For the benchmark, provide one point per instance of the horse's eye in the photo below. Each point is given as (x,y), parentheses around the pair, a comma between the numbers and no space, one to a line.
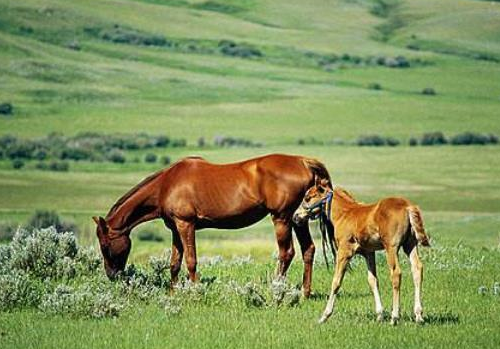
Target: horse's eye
(321,189)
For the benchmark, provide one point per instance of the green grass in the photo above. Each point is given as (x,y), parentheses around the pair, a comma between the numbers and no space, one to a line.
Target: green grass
(456,314)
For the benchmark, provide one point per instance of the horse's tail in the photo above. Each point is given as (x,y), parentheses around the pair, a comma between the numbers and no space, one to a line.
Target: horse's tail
(317,168)
(319,171)
(417,225)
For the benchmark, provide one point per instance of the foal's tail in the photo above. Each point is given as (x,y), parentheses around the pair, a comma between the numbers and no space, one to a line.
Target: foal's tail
(417,225)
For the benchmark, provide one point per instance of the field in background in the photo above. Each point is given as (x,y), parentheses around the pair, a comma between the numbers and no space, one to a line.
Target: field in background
(273,72)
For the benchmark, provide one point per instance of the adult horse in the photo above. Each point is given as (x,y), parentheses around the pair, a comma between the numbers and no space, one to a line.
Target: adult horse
(194,194)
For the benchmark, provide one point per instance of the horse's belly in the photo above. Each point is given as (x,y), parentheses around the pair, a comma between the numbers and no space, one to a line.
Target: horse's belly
(237,221)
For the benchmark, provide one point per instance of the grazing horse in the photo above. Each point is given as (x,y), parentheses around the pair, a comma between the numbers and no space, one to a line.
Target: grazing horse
(193,194)
(363,229)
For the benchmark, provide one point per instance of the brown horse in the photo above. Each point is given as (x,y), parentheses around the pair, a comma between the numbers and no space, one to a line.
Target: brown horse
(364,228)
(194,194)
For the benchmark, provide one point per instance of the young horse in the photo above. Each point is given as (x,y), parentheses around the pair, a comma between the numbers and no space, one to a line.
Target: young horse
(360,228)
(195,194)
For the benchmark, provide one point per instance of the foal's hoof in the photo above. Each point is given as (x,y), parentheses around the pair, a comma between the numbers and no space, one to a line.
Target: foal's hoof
(380,317)
(394,321)
(323,319)
(419,319)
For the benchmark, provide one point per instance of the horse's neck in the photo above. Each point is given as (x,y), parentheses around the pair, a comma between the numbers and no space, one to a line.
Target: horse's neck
(342,202)
(142,206)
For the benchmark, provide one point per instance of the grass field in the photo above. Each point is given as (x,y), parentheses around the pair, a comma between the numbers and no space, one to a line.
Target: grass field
(159,66)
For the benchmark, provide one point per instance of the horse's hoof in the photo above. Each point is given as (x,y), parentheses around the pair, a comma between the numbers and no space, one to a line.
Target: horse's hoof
(322,320)
(380,317)
(394,321)
(419,319)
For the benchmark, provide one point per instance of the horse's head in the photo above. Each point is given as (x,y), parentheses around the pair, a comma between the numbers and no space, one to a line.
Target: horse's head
(313,202)
(115,247)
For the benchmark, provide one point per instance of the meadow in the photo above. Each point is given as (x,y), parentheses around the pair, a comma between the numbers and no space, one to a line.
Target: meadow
(294,77)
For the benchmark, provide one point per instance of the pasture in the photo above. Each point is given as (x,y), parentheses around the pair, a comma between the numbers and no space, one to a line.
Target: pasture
(295,77)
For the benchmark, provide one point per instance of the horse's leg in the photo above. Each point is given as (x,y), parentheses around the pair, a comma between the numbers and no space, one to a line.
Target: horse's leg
(307,247)
(395,270)
(186,233)
(373,282)
(344,254)
(283,231)
(417,270)
(175,257)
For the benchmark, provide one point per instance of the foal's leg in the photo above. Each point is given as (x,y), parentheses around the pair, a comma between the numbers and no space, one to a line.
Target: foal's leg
(283,231)
(392,261)
(307,247)
(343,256)
(373,282)
(417,269)
(186,233)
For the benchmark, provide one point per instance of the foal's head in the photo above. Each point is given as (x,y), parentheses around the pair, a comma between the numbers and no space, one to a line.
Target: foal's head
(115,247)
(313,202)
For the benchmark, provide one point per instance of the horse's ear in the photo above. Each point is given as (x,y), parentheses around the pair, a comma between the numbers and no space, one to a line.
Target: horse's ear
(325,182)
(101,223)
(317,181)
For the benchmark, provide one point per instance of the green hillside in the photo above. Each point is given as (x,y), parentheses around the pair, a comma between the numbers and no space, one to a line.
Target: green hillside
(137,65)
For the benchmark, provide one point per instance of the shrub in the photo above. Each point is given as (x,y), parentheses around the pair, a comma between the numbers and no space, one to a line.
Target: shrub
(17,164)
(7,231)
(413,141)
(17,290)
(116,156)
(177,143)
(150,157)
(83,302)
(375,86)
(392,142)
(371,140)
(165,160)
(428,91)
(59,166)
(230,48)
(433,138)
(6,109)
(121,35)
(470,138)
(44,219)
(149,235)
(201,142)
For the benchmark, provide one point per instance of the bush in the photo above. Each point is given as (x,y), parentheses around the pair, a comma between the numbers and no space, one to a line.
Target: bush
(7,231)
(121,35)
(375,86)
(59,166)
(230,48)
(372,140)
(116,156)
(6,109)
(150,157)
(413,141)
(165,160)
(470,138)
(17,164)
(428,91)
(82,302)
(149,235)
(44,219)
(433,138)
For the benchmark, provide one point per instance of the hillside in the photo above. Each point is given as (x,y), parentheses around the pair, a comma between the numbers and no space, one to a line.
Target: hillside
(135,65)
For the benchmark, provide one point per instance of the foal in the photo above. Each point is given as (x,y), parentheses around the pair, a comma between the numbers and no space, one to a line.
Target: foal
(363,229)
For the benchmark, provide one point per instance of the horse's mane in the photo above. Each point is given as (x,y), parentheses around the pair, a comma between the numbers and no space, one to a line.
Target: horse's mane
(131,192)
(345,194)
